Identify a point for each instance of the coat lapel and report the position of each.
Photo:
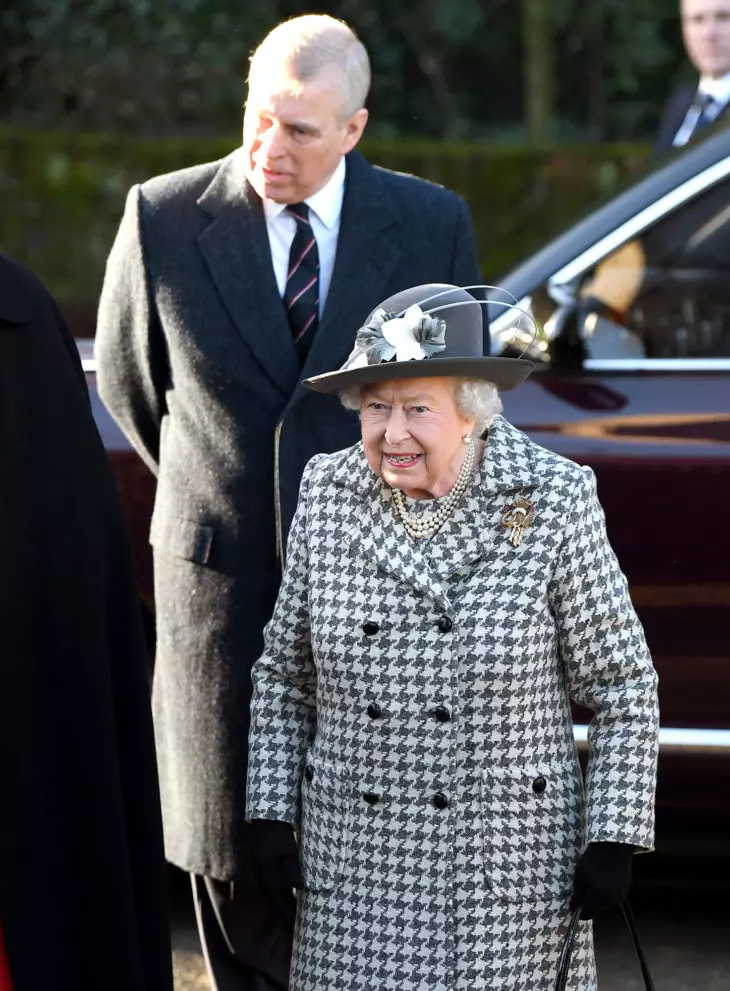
(506, 471)
(368, 249)
(375, 534)
(236, 248)
(471, 535)
(508, 466)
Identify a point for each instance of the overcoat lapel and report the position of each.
(472, 535)
(375, 534)
(236, 249)
(508, 465)
(368, 249)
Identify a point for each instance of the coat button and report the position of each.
(309, 772)
(442, 714)
(374, 710)
(370, 627)
(539, 785)
(440, 800)
(444, 624)
(370, 798)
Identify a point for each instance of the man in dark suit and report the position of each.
(706, 33)
(83, 900)
(227, 285)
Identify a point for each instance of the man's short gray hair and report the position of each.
(476, 400)
(315, 43)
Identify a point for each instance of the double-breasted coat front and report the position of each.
(411, 717)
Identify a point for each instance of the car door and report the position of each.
(633, 379)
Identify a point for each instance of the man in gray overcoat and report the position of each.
(228, 284)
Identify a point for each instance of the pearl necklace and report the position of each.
(427, 526)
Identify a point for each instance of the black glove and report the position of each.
(275, 860)
(602, 878)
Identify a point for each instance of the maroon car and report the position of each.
(633, 379)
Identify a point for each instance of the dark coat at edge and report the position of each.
(83, 904)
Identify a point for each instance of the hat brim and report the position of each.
(505, 373)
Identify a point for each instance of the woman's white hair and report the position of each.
(313, 44)
(476, 400)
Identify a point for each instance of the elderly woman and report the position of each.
(449, 589)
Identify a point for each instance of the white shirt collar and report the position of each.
(326, 202)
(718, 89)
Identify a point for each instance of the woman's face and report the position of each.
(413, 434)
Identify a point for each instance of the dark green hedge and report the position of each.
(61, 194)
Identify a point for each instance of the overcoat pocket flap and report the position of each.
(182, 538)
(531, 822)
(325, 826)
(322, 781)
(542, 782)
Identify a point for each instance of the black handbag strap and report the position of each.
(566, 952)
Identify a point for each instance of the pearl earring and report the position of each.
(466, 438)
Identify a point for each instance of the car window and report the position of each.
(664, 294)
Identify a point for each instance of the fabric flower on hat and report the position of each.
(410, 336)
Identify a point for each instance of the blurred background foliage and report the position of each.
(514, 103)
(446, 68)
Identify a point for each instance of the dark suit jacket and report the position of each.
(83, 900)
(197, 364)
(674, 113)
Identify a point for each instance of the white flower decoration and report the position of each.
(400, 333)
(410, 336)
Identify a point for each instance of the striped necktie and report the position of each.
(301, 296)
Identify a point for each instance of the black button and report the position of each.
(539, 785)
(444, 624)
(370, 627)
(374, 710)
(309, 772)
(370, 798)
(440, 800)
(442, 714)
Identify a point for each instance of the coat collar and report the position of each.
(508, 467)
(509, 461)
(236, 248)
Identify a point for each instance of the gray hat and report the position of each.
(425, 332)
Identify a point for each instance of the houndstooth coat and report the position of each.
(411, 717)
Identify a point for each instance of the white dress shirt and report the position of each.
(325, 210)
(719, 92)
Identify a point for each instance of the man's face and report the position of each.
(706, 30)
(293, 133)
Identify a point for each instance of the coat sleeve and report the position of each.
(283, 704)
(609, 670)
(131, 356)
(464, 262)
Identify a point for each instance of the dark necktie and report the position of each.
(707, 114)
(301, 296)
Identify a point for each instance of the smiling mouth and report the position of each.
(402, 460)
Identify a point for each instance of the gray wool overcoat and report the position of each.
(197, 365)
(411, 717)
